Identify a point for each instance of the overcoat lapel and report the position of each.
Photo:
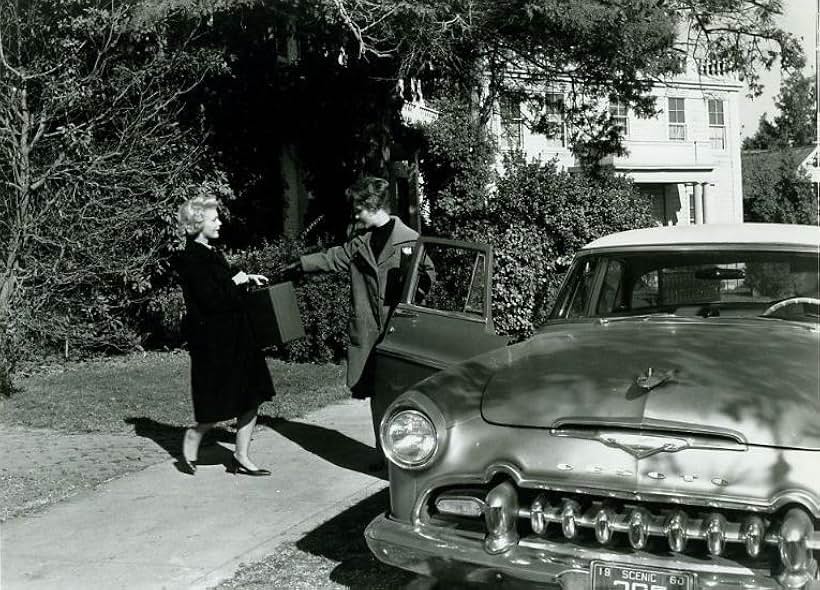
(367, 253)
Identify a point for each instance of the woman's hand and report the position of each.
(242, 278)
(258, 279)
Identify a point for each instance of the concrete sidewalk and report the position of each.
(160, 528)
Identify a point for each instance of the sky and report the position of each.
(799, 18)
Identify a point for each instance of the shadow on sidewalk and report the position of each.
(169, 437)
(330, 445)
(341, 539)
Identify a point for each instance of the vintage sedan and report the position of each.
(660, 432)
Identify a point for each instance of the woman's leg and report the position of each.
(244, 430)
(192, 439)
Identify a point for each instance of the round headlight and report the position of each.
(409, 438)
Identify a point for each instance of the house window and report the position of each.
(717, 124)
(554, 125)
(512, 124)
(617, 111)
(677, 119)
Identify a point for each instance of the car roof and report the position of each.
(692, 235)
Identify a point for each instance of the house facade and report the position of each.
(686, 159)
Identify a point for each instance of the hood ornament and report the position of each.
(636, 444)
(642, 446)
(650, 379)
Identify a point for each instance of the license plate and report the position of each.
(607, 576)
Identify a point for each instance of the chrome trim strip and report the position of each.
(420, 309)
(700, 247)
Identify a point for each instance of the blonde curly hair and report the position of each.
(191, 214)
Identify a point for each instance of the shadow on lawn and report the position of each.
(169, 437)
(330, 445)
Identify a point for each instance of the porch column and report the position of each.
(698, 196)
(706, 204)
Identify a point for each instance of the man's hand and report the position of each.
(290, 272)
(240, 278)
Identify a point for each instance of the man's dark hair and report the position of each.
(369, 193)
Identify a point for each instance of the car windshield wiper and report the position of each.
(643, 316)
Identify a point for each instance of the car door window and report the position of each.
(460, 278)
(574, 298)
(610, 299)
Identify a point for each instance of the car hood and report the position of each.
(755, 381)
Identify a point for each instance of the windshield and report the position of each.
(709, 283)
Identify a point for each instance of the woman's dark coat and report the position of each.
(370, 302)
(228, 372)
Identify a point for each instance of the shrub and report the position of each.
(536, 218)
(162, 319)
(776, 190)
(323, 302)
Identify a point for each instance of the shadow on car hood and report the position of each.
(755, 381)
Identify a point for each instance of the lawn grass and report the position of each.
(101, 396)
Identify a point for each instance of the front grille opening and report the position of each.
(588, 505)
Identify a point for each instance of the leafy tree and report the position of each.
(595, 49)
(92, 162)
(795, 122)
(775, 190)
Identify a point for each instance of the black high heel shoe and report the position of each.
(186, 466)
(237, 467)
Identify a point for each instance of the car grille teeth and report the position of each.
(676, 528)
(636, 523)
(639, 524)
(603, 526)
(569, 514)
(537, 521)
(715, 534)
(752, 533)
(638, 528)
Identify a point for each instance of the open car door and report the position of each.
(444, 314)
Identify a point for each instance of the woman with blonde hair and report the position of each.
(229, 377)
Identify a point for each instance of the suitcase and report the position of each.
(274, 315)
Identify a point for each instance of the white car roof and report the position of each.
(692, 235)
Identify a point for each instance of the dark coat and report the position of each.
(373, 286)
(228, 372)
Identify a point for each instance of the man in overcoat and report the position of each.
(373, 261)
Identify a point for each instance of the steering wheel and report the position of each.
(789, 301)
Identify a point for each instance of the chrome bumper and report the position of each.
(442, 553)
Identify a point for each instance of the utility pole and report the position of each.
(817, 106)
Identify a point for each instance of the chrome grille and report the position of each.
(674, 527)
(639, 524)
